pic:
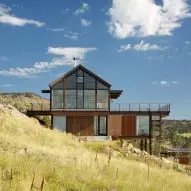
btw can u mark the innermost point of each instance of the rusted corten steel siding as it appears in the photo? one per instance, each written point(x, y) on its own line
point(122, 125)
point(128, 127)
point(81, 126)
point(114, 125)
point(185, 159)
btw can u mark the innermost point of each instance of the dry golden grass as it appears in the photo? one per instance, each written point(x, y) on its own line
point(65, 163)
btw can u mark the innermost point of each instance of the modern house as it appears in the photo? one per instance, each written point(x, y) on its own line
point(82, 103)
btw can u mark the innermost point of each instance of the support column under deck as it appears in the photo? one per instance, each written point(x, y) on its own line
point(160, 133)
point(150, 133)
point(145, 145)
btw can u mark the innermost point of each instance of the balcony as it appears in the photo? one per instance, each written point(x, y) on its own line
point(114, 107)
point(140, 107)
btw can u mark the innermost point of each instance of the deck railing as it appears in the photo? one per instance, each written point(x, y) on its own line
point(139, 107)
point(39, 107)
point(113, 107)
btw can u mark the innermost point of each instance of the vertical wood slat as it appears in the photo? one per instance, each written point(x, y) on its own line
point(128, 127)
point(80, 125)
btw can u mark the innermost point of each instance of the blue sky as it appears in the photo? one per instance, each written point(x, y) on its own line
point(145, 53)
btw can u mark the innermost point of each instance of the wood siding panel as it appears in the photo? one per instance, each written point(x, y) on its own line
point(80, 125)
point(114, 125)
point(128, 125)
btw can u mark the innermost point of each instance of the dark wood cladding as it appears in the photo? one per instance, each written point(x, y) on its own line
point(144, 113)
point(80, 125)
point(80, 113)
point(128, 127)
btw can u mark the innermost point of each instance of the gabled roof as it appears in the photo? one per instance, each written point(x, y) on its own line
point(85, 70)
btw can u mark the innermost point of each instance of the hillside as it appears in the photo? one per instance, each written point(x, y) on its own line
point(22, 101)
point(177, 133)
point(28, 151)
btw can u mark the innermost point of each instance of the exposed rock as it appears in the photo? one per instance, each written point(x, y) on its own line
point(144, 153)
point(137, 151)
point(130, 147)
point(166, 161)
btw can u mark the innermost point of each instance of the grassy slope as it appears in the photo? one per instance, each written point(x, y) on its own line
point(67, 165)
point(22, 101)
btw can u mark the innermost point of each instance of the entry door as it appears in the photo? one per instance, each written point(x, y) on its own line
point(102, 125)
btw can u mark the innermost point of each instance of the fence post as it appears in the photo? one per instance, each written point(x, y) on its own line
point(148, 171)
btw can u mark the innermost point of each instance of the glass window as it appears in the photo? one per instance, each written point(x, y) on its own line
point(59, 122)
point(89, 99)
point(101, 86)
point(95, 125)
point(102, 125)
point(80, 79)
point(70, 82)
point(80, 73)
point(89, 82)
point(57, 99)
point(102, 99)
point(80, 103)
point(58, 85)
point(142, 128)
point(70, 99)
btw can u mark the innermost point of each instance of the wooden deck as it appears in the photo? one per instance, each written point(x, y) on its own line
point(116, 109)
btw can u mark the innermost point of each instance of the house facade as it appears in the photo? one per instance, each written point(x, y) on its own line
point(84, 104)
point(80, 103)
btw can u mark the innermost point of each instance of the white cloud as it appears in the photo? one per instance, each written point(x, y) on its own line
point(4, 58)
point(72, 35)
point(85, 22)
point(36, 68)
point(6, 85)
point(84, 8)
point(7, 18)
point(65, 58)
point(66, 11)
point(175, 82)
point(187, 42)
point(145, 17)
point(57, 29)
point(71, 52)
point(142, 46)
point(68, 34)
point(124, 48)
point(165, 83)
point(162, 83)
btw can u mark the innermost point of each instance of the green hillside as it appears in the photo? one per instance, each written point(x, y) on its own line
point(28, 151)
